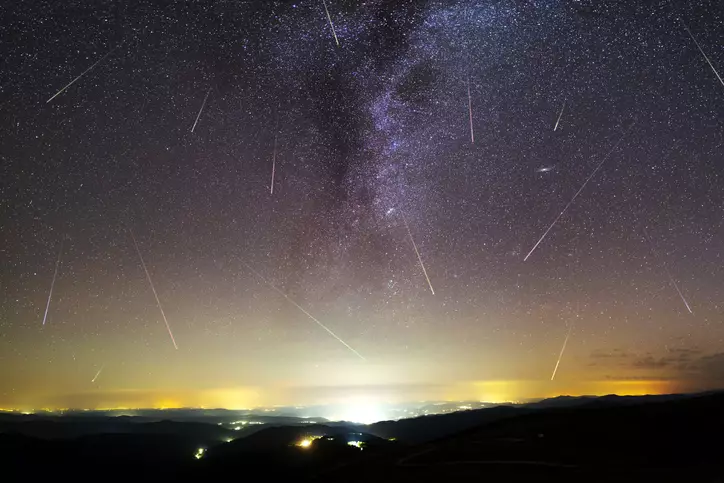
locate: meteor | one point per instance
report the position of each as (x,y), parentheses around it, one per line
(419,258)
(52,284)
(153,289)
(702,53)
(98,373)
(559,116)
(201,110)
(330,22)
(470,114)
(291,301)
(570,328)
(577,193)
(81,75)
(274,157)
(676,286)
(666,269)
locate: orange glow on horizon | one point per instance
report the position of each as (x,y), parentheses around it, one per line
(240,398)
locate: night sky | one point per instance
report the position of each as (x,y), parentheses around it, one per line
(366,139)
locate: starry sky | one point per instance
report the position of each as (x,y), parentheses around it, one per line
(456,130)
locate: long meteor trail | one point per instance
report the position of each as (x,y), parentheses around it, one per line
(330,22)
(201,110)
(419,258)
(291,301)
(605,158)
(150,282)
(559,116)
(81,75)
(470,114)
(562,349)
(666,269)
(52,284)
(702,53)
(274,157)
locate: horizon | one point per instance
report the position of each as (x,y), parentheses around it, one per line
(320,414)
(361,400)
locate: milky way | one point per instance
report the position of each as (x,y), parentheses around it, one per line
(366,122)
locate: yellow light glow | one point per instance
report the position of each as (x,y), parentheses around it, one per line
(356,444)
(307,442)
(199,453)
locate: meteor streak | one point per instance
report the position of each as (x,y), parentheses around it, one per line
(201,110)
(419,258)
(560,116)
(666,269)
(562,349)
(289,299)
(676,286)
(702,53)
(52,284)
(274,157)
(578,192)
(98,373)
(330,22)
(470,113)
(81,75)
(153,289)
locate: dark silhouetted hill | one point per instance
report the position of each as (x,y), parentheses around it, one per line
(662,439)
(427,428)
(658,438)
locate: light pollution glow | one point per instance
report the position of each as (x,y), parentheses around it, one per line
(362,407)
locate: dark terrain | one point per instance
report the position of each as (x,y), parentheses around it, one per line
(658,438)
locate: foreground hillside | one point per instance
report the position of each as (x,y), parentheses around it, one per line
(607,439)
(590,439)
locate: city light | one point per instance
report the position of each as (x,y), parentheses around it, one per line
(199,453)
(307,442)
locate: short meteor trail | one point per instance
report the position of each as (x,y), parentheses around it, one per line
(330,22)
(560,116)
(419,258)
(150,282)
(577,193)
(52,284)
(201,110)
(289,299)
(81,75)
(98,373)
(470,113)
(676,286)
(702,53)
(562,349)
(666,269)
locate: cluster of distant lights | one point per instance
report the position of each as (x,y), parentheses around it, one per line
(239,425)
(304,443)
(309,441)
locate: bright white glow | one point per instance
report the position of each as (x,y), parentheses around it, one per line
(356,444)
(363,411)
